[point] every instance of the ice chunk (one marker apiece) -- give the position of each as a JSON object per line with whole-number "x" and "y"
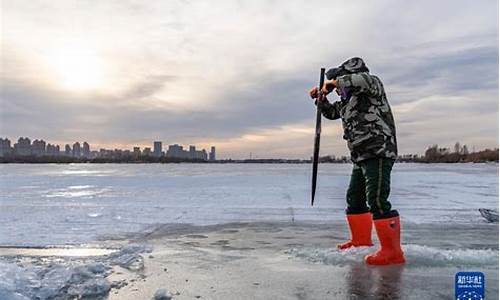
{"x": 16, "y": 282}
{"x": 54, "y": 281}
{"x": 489, "y": 214}
{"x": 129, "y": 257}
{"x": 6, "y": 294}
{"x": 66, "y": 278}
{"x": 91, "y": 288}
{"x": 162, "y": 294}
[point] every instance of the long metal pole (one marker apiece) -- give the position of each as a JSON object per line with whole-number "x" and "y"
{"x": 317, "y": 136}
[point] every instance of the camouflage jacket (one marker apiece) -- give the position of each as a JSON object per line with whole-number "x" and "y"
{"x": 366, "y": 117}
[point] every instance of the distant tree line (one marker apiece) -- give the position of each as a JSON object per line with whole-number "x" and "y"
{"x": 459, "y": 153}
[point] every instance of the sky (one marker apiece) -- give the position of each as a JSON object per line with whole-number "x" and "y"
{"x": 235, "y": 74}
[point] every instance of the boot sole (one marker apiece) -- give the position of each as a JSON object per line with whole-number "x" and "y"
{"x": 353, "y": 246}
{"x": 393, "y": 261}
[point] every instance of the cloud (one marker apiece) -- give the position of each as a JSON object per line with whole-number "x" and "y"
{"x": 190, "y": 72}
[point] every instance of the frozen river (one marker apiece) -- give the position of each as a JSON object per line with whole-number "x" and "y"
{"x": 97, "y": 205}
{"x": 56, "y": 204}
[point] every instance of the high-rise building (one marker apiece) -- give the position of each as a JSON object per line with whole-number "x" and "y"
{"x": 77, "y": 150}
{"x": 157, "y": 149}
{"x": 117, "y": 153}
{"x": 49, "y": 150}
{"x": 52, "y": 150}
{"x": 38, "y": 148}
{"x": 86, "y": 150}
{"x": 175, "y": 151}
{"x": 67, "y": 150}
{"x": 212, "y": 153}
{"x": 137, "y": 152}
{"x": 146, "y": 151}
{"x": 192, "y": 153}
{"x": 5, "y": 148}
{"x": 23, "y": 146}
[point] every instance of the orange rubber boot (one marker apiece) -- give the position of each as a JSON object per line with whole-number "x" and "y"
{"x": 361, "y": 231}
{"x": 388, "y": 232}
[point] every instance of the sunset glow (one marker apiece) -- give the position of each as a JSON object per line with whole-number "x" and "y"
{"x": 76, "y": 68}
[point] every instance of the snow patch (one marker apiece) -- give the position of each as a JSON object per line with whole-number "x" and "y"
{"x": 416, "y": 256}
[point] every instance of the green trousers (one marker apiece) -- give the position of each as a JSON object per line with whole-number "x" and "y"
{"x": 369, "y": 187}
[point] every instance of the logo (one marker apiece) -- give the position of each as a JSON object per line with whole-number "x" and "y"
{"x": 469, "y": 286}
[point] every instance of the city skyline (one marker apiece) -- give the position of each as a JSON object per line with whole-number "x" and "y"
{"x": 25, "y": 146}
{"x": 191, "y": 73}
{"x": 39, "y": 147}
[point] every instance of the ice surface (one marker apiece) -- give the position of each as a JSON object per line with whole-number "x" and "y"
{"x": 64, "y": 204}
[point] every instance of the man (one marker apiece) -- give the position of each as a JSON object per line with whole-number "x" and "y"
{"x": 371, "y": 138}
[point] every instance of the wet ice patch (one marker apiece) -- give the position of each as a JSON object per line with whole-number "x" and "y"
{"x": 330, "y": 256}
{"x": 416, "y": 256}
{"x": 76, "y": 191}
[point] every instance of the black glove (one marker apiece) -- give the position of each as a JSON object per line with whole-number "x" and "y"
{"x": 333, "y": 73}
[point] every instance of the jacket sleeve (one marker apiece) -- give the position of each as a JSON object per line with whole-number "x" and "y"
{"x": 361, "y": 83}
{"x": 330, "y": 110}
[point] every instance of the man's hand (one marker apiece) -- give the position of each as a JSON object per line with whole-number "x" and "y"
{"x": 328, "y": 86}
{"x": 313, "y": 93}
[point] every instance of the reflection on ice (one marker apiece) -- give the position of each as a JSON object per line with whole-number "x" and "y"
{"x": 94, "y": 215}
{"x": 76, "y": 191}
{"x": 364, "y": 282}
{"x": 79, "y": 171}
{"x": 80, "y": 187}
